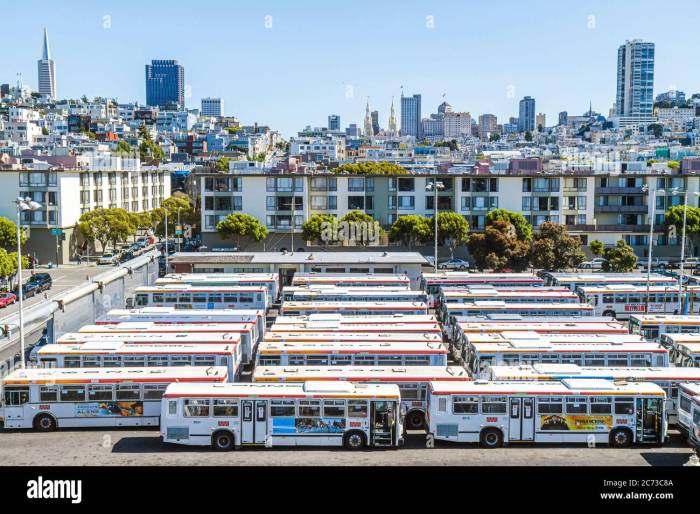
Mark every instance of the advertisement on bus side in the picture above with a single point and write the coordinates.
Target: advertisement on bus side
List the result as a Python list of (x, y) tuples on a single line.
[(102, 409), (307, 425), (575, 422)]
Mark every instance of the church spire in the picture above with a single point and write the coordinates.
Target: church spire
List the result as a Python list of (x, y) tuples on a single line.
[(368, 130), (392, 119)]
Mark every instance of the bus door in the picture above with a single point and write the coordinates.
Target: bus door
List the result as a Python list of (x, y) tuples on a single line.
[(383, 423), (521, 422), (649, 420), (254, 421)]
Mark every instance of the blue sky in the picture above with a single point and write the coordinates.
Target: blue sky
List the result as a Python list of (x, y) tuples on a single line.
[(322, 57)]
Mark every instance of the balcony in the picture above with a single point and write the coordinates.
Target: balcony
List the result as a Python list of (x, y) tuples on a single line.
[(619, 191), (632, 209), (612, 228)]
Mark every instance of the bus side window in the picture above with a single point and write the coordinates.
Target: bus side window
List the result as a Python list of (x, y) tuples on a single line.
[(172, 407), (16, 395), (442, 404)]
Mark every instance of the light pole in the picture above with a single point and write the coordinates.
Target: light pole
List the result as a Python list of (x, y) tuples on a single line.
[(23, 204), (180, 228), (652, 211), (435, 186), (676, 191), (166, 240)]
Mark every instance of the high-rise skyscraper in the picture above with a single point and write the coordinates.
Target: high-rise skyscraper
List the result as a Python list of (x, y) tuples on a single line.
[(410, 116), (526, 117), (212, 107), (635, 79), (375, 122), (165, 83), (488, 124), (46, 71), (333, 122)]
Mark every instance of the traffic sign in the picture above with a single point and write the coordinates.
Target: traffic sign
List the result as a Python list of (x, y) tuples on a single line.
[(56, 231)]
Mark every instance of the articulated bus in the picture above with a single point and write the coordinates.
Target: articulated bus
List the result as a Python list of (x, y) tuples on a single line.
[(569, 411), (351, 280), (412, 381), (667, 378), (188, 296), (689, 413), (351, 353), (653, 326), (479, 356), (172, 316), (270, 281), (227, 416), (575, 280), (247, 331), (684, 348), (351, 294), (48, 398), (353, 308), (433, 283), (621, 300), (103, 354)]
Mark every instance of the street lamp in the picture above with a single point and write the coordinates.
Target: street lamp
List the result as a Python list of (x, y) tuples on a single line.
[(180, 228), (435, 186), (23, 204), (652, 212), (675, 191)]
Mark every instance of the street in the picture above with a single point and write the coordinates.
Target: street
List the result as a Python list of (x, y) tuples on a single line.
[(99, 447)]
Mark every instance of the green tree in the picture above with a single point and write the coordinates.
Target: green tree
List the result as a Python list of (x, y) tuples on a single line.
[(107, 226), (674, 217), (554, 249), (410, 230), (597, 247), (656, 128), (528, 136), (523, 229), (123, 147), (221, 164), (8, 234), (494, 137), (313, 228), (361, 218), (498, 247), (241, 225), (620, 258), (148, 149), (370, 168), (453, 230)]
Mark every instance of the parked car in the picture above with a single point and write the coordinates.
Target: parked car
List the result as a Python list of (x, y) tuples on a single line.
[(7, 299), (43, 281), (656, 263), (106, 258), (34, 353), (29, 289), (691, 263), (126, 256), (596, 263), (458, 264)]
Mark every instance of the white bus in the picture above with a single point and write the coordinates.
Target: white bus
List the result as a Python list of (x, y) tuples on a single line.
[(653, 326), (575, 280), (620, 300), (689, 413), (151, 338), (103, 354), (667, 378), (353, 308), (349, 336), (412, 381), (351, 294), (48, 398), (227, 416), (170, 315), (351, 280), (351, 353), (394, 328), (325, 322), (270, 281), (570, 411), (684, 348), (247, 331), (188, 296), (479, 356), (433, 283), (456, 297)]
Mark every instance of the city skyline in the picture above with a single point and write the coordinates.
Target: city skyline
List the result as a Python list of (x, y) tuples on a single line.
[(562, 67)]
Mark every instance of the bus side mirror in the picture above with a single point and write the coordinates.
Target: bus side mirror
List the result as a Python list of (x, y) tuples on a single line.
[(403, 410)]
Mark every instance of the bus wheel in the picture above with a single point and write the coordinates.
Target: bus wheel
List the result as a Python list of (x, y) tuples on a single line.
[(222, 441), (609, 314), (415, 420), (491, 438), (354, 440), (620, 438), (44, 423)]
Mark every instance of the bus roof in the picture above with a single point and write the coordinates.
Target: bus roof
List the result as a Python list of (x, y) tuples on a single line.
[(217, 277), (607, 277), (534, 339), (664, 319), (395, 328), (547, 371), (335, 277), (498, 318), (173, 315), (351, 347), (478, 276), (192, 288), (449, 294), (552, 327), (120, 348), (116, 375), (566, 387), (152, 338), (683, 337), (632, 288), (547, 347), (692, 389), (359, 373), (500, 304), (317, 389), (149, 326), (337, 319), (340, 306), (359, 336)]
